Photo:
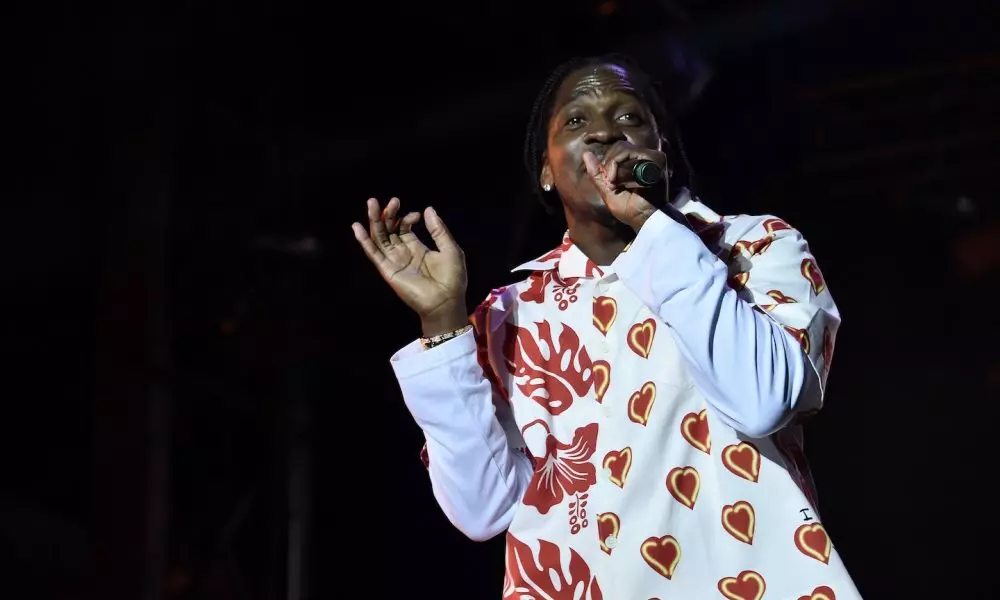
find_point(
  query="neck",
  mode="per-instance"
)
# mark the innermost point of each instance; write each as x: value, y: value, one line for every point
x: 601, y: 240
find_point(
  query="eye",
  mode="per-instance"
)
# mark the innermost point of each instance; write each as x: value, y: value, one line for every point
x: 574, y: 122
x: 630, y: 117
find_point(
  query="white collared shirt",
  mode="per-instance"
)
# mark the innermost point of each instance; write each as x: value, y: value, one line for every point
x: 633, y: 426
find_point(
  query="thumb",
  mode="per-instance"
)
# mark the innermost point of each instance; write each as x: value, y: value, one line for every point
x: 598, y: 175
x: 439, y: 232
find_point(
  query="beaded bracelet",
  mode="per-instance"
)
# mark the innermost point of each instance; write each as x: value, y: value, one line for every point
x: 437, y: 340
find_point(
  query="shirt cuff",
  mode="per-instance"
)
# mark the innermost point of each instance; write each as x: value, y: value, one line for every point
x: 412, y: 360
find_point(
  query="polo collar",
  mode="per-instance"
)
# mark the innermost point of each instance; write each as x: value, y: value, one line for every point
x: 569, y: 261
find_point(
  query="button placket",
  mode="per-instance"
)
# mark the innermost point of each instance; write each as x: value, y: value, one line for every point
x: 607, y: 493
x: 602, y: 348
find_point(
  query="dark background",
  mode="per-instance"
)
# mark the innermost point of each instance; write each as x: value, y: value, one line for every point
x: 185, y: 299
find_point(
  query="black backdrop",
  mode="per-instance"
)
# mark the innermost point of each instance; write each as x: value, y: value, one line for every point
x: 182, y: 184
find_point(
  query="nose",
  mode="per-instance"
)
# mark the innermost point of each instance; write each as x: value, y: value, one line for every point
x: 603, y: 132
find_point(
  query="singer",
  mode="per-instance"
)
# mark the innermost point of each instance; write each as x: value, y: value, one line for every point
x: 629, y: 412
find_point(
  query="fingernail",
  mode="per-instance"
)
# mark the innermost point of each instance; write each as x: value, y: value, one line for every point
x: 431, y: 210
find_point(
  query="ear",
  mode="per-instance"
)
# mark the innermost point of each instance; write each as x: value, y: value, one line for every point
x: 545, y: 178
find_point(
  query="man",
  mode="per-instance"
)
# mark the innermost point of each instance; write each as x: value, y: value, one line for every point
x: 627, y: 412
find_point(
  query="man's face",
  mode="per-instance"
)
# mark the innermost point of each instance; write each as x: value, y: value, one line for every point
x: 594, y: 108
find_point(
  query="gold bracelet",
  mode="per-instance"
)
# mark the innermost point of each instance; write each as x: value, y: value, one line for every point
x: 437, y: 340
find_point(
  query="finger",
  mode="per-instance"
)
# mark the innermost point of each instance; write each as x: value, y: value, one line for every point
x: 406, y: 234
x: 610, y: 170
x: 598, y: 174
x: 439, y: 232
x: 616, y: 154
x: 372, y: 251
x: 622, y: 151
x: 389, y: 215
x: 406, y: 225
x: 376, y: 225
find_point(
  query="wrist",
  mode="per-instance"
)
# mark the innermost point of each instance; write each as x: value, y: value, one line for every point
x: 641, y: 219
x: 447, y: 319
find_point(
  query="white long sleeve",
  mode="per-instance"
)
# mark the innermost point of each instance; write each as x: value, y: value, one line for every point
x: 477, y: 476
x: 751, y: 369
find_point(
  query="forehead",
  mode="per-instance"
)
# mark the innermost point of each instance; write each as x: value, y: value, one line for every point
x: 594, y: 81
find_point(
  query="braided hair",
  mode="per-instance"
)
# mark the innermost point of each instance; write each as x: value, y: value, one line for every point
x: 650, y: 92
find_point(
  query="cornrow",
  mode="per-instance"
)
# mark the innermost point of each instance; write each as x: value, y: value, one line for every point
x: 536, y: 135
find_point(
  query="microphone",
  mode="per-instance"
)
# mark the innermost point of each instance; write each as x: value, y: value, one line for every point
x: 639, y: 173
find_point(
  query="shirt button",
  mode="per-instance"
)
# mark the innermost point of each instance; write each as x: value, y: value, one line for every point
x: 604, y: 347
x: 611, y: 542
x: 601, y: 287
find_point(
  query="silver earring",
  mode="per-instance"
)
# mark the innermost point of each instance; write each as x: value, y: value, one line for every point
x: 547, y: 187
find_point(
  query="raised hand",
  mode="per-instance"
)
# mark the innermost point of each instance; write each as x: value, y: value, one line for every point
x: 431, y: 282
x: 627, y: 205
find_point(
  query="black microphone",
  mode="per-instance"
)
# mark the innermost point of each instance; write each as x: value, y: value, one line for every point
x: 639, y: 173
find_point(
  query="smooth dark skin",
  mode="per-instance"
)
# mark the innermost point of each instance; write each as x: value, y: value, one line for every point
x: 597, y: 123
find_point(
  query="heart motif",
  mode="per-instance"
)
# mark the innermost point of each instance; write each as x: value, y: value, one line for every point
x: 694, y: 429
x: 605, y: 311
x: 813, y: 541
x: 602, y: 379
x: 775, y: 224
x: 801, y: 336
x: 608, y: 525
x: 743, y: 460
x: 748, y: 585
x: 739, y: 280
x: 738, y: 519
x: 684, y: 483
x: 640, y: 337
x: 741, y: 247
x: 823, y: 592
x: 812, y: 273
x: 618, y: 462
x: 761, y: 245
x: 641, y: 403
x: 662, y: 554
x: 779, y: 297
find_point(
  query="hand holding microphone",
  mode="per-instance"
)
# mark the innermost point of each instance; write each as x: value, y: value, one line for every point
x: 633, y: 167
x: 628, y: 180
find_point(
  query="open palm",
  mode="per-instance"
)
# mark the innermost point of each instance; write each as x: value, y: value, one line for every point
x: 428, y: 281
